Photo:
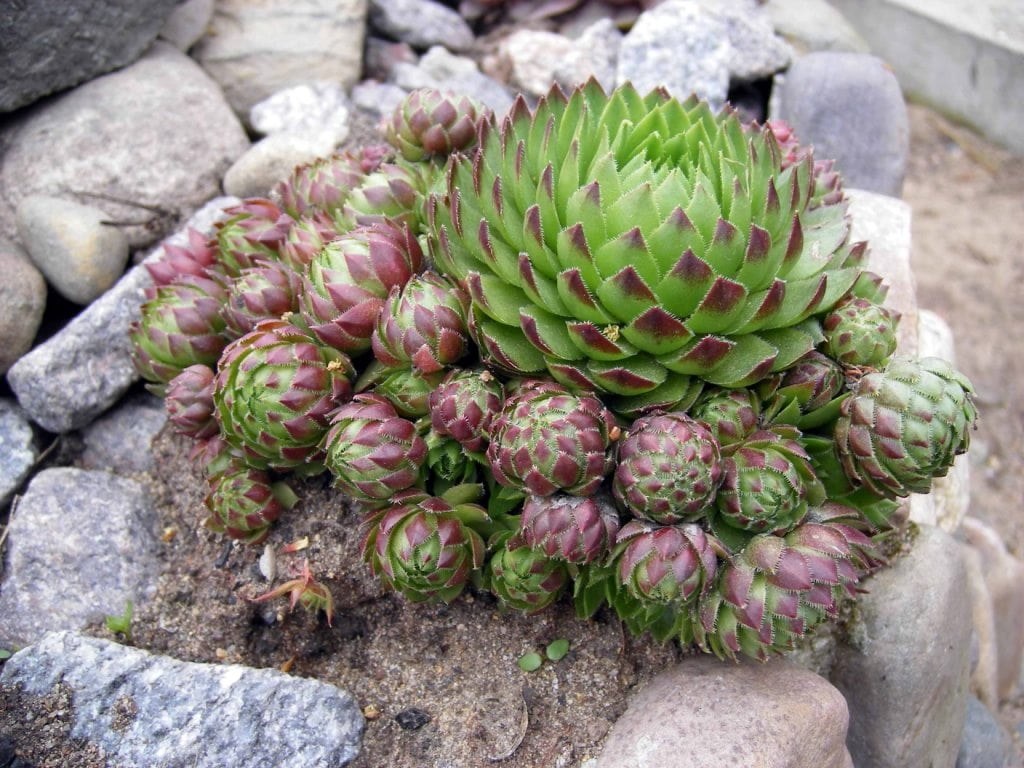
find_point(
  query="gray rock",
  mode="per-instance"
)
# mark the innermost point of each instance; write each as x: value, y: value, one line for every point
x: 756, y: 51
x: 18, y: 449
x: 595, y: 53
x: 120, y: 440
x: 80, y: 255
x: 187, y: 23
x: 146, y: 144
x: 421, y: 23
x: 254, y: 50
x: 81, y: 544
x: 531, y: 56
x: 66, y: 382
x: 47, y: 47
x: 307, y: 108
x: 904, y: 669
x: 705, y: 713
x: 438, y: 68
x: 850, y: 108
x: 814, y: 25
x: 378, y: 99
x: 679, y: 45
x: 985, y: 743
x: 22, y: 302
x: 271, y: 159
x: 189, y: 715
x: 381, y: 57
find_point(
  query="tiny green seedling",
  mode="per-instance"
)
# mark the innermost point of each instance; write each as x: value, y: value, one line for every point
x: 5, y: 654
x: 557, y: 649
x: 121, y: 624
x: 530, y: 662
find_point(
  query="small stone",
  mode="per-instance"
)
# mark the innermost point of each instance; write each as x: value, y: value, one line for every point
x: 984, y: 644
x: 79, y: 253
x: 595, y: 53
x: 378, y: 99
x: 381, y: 57
x: 985, y: 743
x: 187, y: 23
x: 447, y: 72
x: 18, y: 449
x: 531, y: 57
x: 814, y: 25
x: 309, y: 108
x: 756, y: 51
x: 22, y: 302
x: 272, y: 159
x: 412, y: 719
x: 421, y: 23
x: 120, y: 441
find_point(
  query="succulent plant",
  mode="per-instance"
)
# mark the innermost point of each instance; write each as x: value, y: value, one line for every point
x: 325, y: 184
x: 522, y: 577
x: 180, y: 325
x: 422, y: 324
x: 732, y: 415
x: 349, y: 279
x: 177, y: 260
x: 262, y: 292
x: 425, y: 547
x: 372, y: 451
x: 464, y: 405
x: 575, y: 529
x: 305, y: 591
x: 669, y: 469
x: 547, y: 439
x: 905, y: 425
x: 407, y: 389
x: 665, y: 564
x: 189, y: 403
x: 623, y: 243
x: 430, y: 123
x: 394, y: 192
x: 253, y: 231
x: 306, y: 238
x: 860, y: 333
x: 243, y: 503
x: 814, y: 381
x: 274, y: 392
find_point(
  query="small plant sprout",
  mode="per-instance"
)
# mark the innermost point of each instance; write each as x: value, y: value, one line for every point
x: 557, y: 649
x: 530, y: 662
x: 121, y: 624
x: 305, y: 590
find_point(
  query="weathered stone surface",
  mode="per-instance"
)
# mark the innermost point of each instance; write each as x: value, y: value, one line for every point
x: 189, y: 715
x: 271, y: 159
x: 119, y: 441
x: 814, y: 25
x: 595, y: 53
x: 531, y: 56
x: 440, y: 69
x: 18, y: 449
x: 80, y: 255
x: 985, y: 744
x: 377, y: 98
x: 680, y: 45
x: 756, y: 51
x: 984, y: 644
x: 106, y: 553
x: 187, y: 23
x: 308, y: 108
x: 46, y: 47
x: 381, y: 56
x: 22, y: 302
x: 421, y: 23
x: 904, y: 668
x: 707, y: 713
x: 257, y: 49
x: 147, y: 144
x: 850, y: 108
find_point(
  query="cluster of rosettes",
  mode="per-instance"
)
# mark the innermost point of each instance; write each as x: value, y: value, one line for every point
x: 617, y: 346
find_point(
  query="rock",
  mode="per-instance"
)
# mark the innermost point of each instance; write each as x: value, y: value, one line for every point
x: 530, y: 58
x: 381, y: 57
x: 904, y: 667
x: 756, y: 51
x: 257, y: 49
x: 934, y: 336
x: 814, y: 25
x: 595, y: 53
x: 106, y: 553
x: 47, y: 47
x: 18, y: 449
x: 680, y: 45
x: 440, y: 69
x: 146, y: 144
x: 187, y: 714
x: 66, y: 382
x: 984, y: 644
x: 22, y: 302
x: 985, y: 744
x: 1004, y: 577
x: 310, y: 108
x: 421, y: 24
x: 120, y: 440
x: 73, y: 246
x: 378, y: 99
x: 702, y: 713
x: 271, y: 159
x: 187, y: 23
x: 850, y: 108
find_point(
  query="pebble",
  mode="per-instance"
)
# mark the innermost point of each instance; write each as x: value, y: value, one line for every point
x: 679, y: 45
x: 18, y: 449
x: 849, y: 106
x: 271, y: 159
x: 595, y: 53
x: 107, y: 552
x: 814, y: 25
x: 421, y: 24
x: 187, y: 23
x: 381, y: 57
x: 531, y: 56
x: 120, y: 440
x: 702, y: 714
x: 378, y: 99
x: 189, y: 715
x: 147, y: 144
x: 22, y: 302
x: 307, y: 108
x: 756, y: 50
x: 438, y: 68
x: 985, y: 743
x: 984, y: 651
x: 80, y: 254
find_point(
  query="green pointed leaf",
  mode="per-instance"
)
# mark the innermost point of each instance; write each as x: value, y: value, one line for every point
x: 547, y: 332
x: 746, y: 363
x: 626, y: 294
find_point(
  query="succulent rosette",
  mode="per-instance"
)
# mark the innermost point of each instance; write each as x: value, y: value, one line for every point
x: 814, y: 381
x: 189, y: 403
x: 306, y: 239
x: 176, y: 261
x: 426, y: 547
x: 623, y: 243
x: 665, y: 564
x: 325, y: 184
x: 243, y: 503
x: 905, y: 425
x: 575, y: 529
x: 265, y: 291
x: 523, y: 577
x: 465, y: 404
x: 393, y: 192
x: 422, y: 324
x: 274, y: 392
x: 180, y: 325
x: 407, y: 389
x: 547, y: 439
x: 669, y: 469
x: 347, y: 282
x: 430, y: 123
x: 253, y: 231
x: 732, y: 415
x: 373, y: 452
x: 860, y: 333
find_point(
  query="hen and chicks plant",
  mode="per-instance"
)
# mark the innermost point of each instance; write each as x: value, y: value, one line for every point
x: 616, y: 346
